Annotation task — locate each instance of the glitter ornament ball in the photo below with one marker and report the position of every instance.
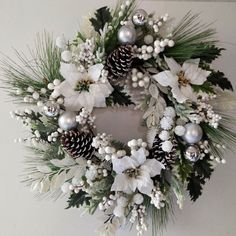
(192, 153)
(67, 120)
(140, 17)
(51, 109)
(193, 133)
(127, 35)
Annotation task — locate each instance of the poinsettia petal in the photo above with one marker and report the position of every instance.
(139, 157)
(94, 71)
(147, 187)
(122, 164)
(86, 100)
(65, 89)
(175, 68)
(200, 76)
(194, 63)
(178, 95)
(70, 73)
(166, 78)
(154, 167)
(72, 103)
(188, 92)
(100, 92)
(120, 183)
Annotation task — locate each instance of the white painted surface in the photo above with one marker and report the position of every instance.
(21, 214)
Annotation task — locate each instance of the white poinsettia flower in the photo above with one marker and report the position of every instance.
(180, 78)
(135, 173)
(83, 89)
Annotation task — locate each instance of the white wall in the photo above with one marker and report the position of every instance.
(21, 214)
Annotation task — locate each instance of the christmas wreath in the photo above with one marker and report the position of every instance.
(130, 58)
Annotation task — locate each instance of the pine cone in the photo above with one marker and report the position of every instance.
(119, 62)
(78, 144)
(167, 159)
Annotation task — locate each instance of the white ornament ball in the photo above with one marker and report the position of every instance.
(140, 17)
(193, 133)
(127, 35)
(67, 120)
(192, 153)
(66, 56)
(138, 199)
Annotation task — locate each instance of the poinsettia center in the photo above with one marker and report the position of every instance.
(132, 173)
(83, 85)
(183, 81)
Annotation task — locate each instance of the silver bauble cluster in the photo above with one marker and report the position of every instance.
(192, 153)
(193, 133)
(127, 34)
(67, 120)
(140, 17)
(51, 109)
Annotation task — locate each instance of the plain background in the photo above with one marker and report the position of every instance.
(23, 215)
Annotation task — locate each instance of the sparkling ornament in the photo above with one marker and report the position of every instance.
(51, 109)
(192, 153)
(127, 35)
(193, 133)
(140, 17)
(67, 120)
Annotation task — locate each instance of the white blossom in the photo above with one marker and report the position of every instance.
(135, 173)
(180, 78)
(83, 89)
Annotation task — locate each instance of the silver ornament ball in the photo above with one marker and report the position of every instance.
(67, 120)
(51, 109)
(192, 153)
(127, 35)
(140, 17)
(193, 133)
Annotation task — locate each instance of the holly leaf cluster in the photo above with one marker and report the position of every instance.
(119, 97)
(206, 87)
(218, 78)
(78, 199)
(202, 171)
(102, 16)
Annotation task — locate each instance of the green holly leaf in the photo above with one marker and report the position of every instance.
(78, 199)
(202, 170)
(102, 16)
(119, 97)
(206, 87)
(218, 78)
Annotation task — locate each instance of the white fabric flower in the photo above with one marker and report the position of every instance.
(180, 78)
(94, 94)
(135, 172)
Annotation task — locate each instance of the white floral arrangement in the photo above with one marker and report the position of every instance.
(142, 61)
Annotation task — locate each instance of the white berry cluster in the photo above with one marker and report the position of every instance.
(139, 79)
(148, 51)
(85, 52)
(85, 117)
(205, 110)
(94, 172)
(138, 214)
(166, 124)
(123, 8)
(157, 198)
(206, 149)
(137, 144)
(53, 137)
(157, 23)
(107, 202)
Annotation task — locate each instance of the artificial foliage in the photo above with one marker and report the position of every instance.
(124, 57)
